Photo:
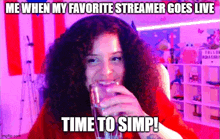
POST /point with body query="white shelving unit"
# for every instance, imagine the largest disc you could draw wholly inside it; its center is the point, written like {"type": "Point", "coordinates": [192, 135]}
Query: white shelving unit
{"type": "Point", "coordinates": [206, 111]}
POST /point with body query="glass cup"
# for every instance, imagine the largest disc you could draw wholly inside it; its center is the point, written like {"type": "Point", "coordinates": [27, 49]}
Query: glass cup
{"type": "Point", "coordinates": [97, 93]}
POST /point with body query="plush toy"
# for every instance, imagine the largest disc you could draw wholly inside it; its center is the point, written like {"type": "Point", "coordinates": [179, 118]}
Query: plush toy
{"type": "Point", "coordinates": [189, 54]}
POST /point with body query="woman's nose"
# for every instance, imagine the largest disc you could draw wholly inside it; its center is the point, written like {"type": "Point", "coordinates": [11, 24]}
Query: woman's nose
{"type": "Point", "coordinates": [106, 68]}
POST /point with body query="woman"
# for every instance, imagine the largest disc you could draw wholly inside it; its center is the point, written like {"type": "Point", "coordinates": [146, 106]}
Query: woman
{"type": "Point", "coordinates": [104, 49]}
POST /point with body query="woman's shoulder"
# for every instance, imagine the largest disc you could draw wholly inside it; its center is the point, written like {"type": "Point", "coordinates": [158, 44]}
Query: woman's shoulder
{"type": "Point", "coordinates": [46, 127]}
{"type": "Point", "coordinates": [170, 117]}
{"type": "Point", "coordinates": [164, 79]}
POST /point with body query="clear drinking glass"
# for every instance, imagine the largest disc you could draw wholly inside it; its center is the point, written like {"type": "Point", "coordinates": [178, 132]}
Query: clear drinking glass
{"type": "Point", "coordinates": [97, 94]}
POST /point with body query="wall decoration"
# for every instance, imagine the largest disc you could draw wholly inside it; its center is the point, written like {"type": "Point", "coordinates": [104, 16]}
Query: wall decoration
{"type": "Point", "coordinates": [200, 31]}
{"type": "Point", "coordinates": [213, 39]}
{"type": "Point", "coordinates": [211, 57]}
{"type": "Point", "coordinates": [164, 46]}
{"type": "Point", "coordinates": [164, 43]}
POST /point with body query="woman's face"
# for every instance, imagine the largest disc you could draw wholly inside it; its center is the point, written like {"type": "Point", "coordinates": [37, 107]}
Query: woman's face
{"type": "Point", "coordinates": [105, 64]}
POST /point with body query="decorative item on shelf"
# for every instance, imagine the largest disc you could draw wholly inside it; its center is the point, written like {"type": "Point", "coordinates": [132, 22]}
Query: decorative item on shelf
{"type": "Point", "coordinates": [195, 113]}
{"type": "Point", "coordinates": [178, 94]}
{"type": "Point", "coordinates": [193, 75]}
{"type": "Point", "coordinates": [179, 97]}
{"type": "Point", "coordinates": [214, 114]}
{"type": "Point", "coordinates": [178, 77]}
{"type": "Point", "coordinates": [197, 98]}
{"type": "Point", "coordinates": [189, 54]}
{"type": "Point", "coordinates": [213, 83]}
{"type": "Point", "coordinates": [214, 117]}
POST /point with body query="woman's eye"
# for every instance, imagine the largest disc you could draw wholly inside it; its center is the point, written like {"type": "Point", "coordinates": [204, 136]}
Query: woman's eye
{"type": "Point", "coordinates": [116, 59]}
{"type": "Point", "coordinates": [92, 61]}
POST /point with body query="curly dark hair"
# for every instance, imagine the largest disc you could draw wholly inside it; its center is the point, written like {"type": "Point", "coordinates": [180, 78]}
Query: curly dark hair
{"type": "Point", "coordinates": [65, 66]}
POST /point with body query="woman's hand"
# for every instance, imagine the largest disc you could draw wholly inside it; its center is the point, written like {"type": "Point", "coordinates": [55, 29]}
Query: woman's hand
{"type": "Point", "coordinates": [123, 104]}
{"type": "Point", "coordinates": [126, 104]}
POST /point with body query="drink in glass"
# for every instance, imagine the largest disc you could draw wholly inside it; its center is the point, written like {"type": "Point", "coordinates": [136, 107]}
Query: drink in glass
{"type": "Point", "coordinates": [97, 94]}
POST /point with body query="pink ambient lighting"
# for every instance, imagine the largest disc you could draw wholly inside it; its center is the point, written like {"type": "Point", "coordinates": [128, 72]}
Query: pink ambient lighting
{"type": "Point", "coordinates": [178, 24]}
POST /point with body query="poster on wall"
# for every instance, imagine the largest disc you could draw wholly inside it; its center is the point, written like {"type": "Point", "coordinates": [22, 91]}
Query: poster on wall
{"type": "Point", "coordinates": [187, 44]}
{"type": "Point", "coordinates": [211, 57]}
{"type": "Point", "coordinates": [164, 44]}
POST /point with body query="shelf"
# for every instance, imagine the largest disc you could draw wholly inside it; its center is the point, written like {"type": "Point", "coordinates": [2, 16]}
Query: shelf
{"type": "Point", "coordinates": [194, 102]}
{"type": "Point", "coordinates": [183, 64]}
{"type": "Point", "coordinates": [176, 100]}
{"type": "Point", "coordinates": [196, 84]}
{"type": "Point", "coordinates": [206, 110]}
{"type": "Point", "coordinates": [212, 86]}
{"type": "Point", "coordinates": [211, 105]}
